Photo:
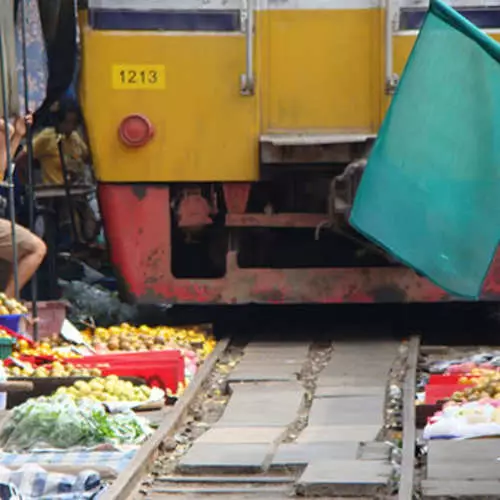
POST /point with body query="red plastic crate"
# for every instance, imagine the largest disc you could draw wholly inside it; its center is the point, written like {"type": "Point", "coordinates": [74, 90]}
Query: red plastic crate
{"type": "Point", "coordinates": [164, 376]}
{"type": "Point", "coordinates": [435, 393]}
{"type": "Point", "coordinates": [164, 369]}
{"type": "Point", "coordinates": [132, 357]}
{"type": "Point", "coordinates": [447, 379]}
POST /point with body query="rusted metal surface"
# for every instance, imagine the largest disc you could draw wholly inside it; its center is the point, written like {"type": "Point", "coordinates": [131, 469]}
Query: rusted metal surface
{"type": "Point", "coordinates": [274, 220]}
{"type": "Point", "coordinates": [343, 190]}
{"type": "Point", "coordinates": [193, 210]}
{"type": "Point", "coordinates": [138, 228]}
{"type": "Point", "coordinates": [236, 196]}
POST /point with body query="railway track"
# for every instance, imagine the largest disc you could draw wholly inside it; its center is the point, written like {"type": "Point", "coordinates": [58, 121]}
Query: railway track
{"type": "Point", "coordinates": [330, 418]}
{"type": "Point", "coordinates": [270, 420]}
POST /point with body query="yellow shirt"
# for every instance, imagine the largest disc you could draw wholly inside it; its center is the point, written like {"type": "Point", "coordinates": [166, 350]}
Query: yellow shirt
{"type": "Point", "coordinates": [45, 150]}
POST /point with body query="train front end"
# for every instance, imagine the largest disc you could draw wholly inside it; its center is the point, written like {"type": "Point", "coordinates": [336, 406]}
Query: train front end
{"type": "Point", "coordinates": [229, 137]}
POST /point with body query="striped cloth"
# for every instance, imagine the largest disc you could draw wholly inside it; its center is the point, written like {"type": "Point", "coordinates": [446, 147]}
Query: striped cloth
{"type": "Point", "coordinates": [115, 461]}
{"type": "Point", "coordinates": [34, 482]}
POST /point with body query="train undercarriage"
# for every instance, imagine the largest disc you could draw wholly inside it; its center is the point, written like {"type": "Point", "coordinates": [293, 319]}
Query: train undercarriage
{"type": "Point", "coordinates": [284, 239]}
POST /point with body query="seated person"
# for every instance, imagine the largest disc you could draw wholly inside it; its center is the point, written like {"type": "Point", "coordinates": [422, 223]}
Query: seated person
{"type": "Point", "coordinates": [30, 248]}
{"type": "Point", "coordinates": [76, 154]}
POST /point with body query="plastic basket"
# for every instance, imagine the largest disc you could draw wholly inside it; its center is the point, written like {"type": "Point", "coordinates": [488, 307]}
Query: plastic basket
{"type": "Point", "coordinates": [6, 345]}
{"type": "Point", "coordinates": [51, 315]}
{"type": "Point", "coordinates": [11, 321]}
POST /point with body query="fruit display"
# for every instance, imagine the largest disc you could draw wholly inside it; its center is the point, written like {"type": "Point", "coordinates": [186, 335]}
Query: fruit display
{"type": "Point", "coordinates": [44, 348]}
{"type": "Point", "coordinates": [476, 374]}
{"type": "Point", "coordinates": [144, 338]}
{"type": "Point", "coordinates": [11, 306]}
{"type": "Point", "coordinates": [109, 390]}
{"type": "Point", "coordinates": [4, 334]}
{"type": "Point", "coordinates": [56, 369]}
{"type": "Point", "coordinates": [178, 393]}
{"type": "Point", "coordinates": [485, 386]}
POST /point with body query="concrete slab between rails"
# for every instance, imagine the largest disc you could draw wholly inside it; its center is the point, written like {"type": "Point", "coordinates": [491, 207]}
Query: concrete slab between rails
{"type": "Point", "coordinates": [374, 450]}
{"type": "Point", "coordinates": [468, 460]}
{"type": "Point", "coordinates": [350, 381]}
{"type": "Point", "coordinates": [283, 354]}
{"type": "Point", "coordinates": [273, 404]}
{"type": "Point", "coordinates": [264, 373]}
{"type": "Point", "coordinates": [336, 391]}
{"type": "Point", "coordinates": [266, 363]}
{"type": "Point", "coordinates": [283, 351]}
{"type": "Point", "coordinates": [437, 489]}
{"type": "Point", "coordinates": [484, 469]}
{"type": "Point", "coordinates": [211, 458]}
{"type": "Point", "coordinates": [294, 455]}
{"type": "Point", "coordinates": [466, 451]}
{"type": "Point", "coordinates": [242, 435]}
{"type": "Point", "coordinates": [336, 433]}
{"type": "Point", "coordinates": [344, 478]}
{"type": "Point", "coordinates": [347, 368]}
{"type": "Point", "coordinates": [350, 411]}
{"type": "Point", "coordinates": [379, 347]}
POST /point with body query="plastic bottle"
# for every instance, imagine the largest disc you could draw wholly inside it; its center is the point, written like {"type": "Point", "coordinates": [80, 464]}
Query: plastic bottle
{"type": "Point", "coordinates": [3, 395]}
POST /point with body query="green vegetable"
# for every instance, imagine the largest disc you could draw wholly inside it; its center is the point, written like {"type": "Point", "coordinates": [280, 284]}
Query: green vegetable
{"type": "Point", "coordinates": [61, 422]}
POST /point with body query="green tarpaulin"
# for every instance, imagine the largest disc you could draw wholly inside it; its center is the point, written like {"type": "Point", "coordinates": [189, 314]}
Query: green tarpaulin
{"type": "Point", "coordinates": [430, 194]}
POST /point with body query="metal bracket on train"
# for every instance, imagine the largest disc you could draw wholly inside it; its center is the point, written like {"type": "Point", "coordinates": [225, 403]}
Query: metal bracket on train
{"type": "Point", "coordinates": [391, 85]}
{"type": "Point", "coordinates": [343, 190]}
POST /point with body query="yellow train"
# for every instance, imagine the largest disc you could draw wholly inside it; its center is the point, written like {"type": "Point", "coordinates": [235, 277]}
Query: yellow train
{"type": "Point", "coordinates": [228, 138]}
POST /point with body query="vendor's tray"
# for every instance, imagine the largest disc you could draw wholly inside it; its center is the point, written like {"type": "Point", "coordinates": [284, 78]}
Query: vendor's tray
{"type": "Point", "coordinates": [47, 386]}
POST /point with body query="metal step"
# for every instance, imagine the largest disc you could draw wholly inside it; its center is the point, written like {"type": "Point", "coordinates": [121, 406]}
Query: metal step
{"type": "Point", "coordinates": [313, 147]}
{"type": "Point", "coordinates": [313, 138]}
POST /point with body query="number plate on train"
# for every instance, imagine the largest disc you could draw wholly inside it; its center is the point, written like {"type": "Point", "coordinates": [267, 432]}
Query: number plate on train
{"type": "Point", "coordinates": [138, 77]}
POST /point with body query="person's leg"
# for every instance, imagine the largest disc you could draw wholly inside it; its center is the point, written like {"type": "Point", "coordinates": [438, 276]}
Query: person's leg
{"type": "Point", "coordinates": [31, 251]}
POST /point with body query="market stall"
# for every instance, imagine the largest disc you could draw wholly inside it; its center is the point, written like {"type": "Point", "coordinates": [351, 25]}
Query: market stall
{"type": "Point", "coordinates": [87, 400]}
{"type": "Point", "coordinates": [460, 397]}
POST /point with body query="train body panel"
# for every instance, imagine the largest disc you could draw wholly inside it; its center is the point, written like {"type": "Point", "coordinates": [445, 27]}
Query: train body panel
{"type": "Point", "coordinates": [321, 69]}
{"type": "Point", "coordinates": [219, 189]}
{"type": "Point", "coordinates": [193, 135]}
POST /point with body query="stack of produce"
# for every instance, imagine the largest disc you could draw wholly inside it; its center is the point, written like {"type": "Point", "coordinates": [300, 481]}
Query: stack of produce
{"type": "Point", "coordinates": [56, 369]}
{"type": "Point", "coordinates": [109, 390]}
{"type": "Point", "coordinates": [126, 338]}
{"type": "Point", "coordinates": [62, 422]}
{"type": "Point", "coordinates": [11, 306]}
{"type": "Point", "coordinates": [144, 338]}
{"type": "Point", "coordinates": [45, 348]}
{"type": "Point", "coordinates": [484, 386]}
{"type": "Point", "coordinates": [465, 420]}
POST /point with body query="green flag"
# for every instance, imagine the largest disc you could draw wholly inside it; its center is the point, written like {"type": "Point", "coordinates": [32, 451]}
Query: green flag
{"type": "Point", "coordinates": [430, 194]}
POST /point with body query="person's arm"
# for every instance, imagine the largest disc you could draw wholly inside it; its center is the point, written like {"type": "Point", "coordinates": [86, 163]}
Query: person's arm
{"type": "Point", "coordinates": [22, 157]}
{"type": "Point", "coordinates": [83, 146]}
{"type": "Point", "coordinates": [19, 131]}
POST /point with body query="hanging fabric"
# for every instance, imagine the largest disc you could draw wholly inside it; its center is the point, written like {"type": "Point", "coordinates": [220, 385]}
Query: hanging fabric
{"type": "Point", "coordinates": [62, 52]}
{"type": "Point", "coordinates": [7, 33]}
{"type": "Point", "coordinates": [49, 13]}
{"type": "Point", "coordinates": [72, 91]}
{"type": "Point", "coordinates": [36, 55]}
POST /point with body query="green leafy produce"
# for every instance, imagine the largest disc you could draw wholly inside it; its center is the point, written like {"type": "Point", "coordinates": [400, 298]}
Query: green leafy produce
{"type": "Point", "coordinates": [61, 422]}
